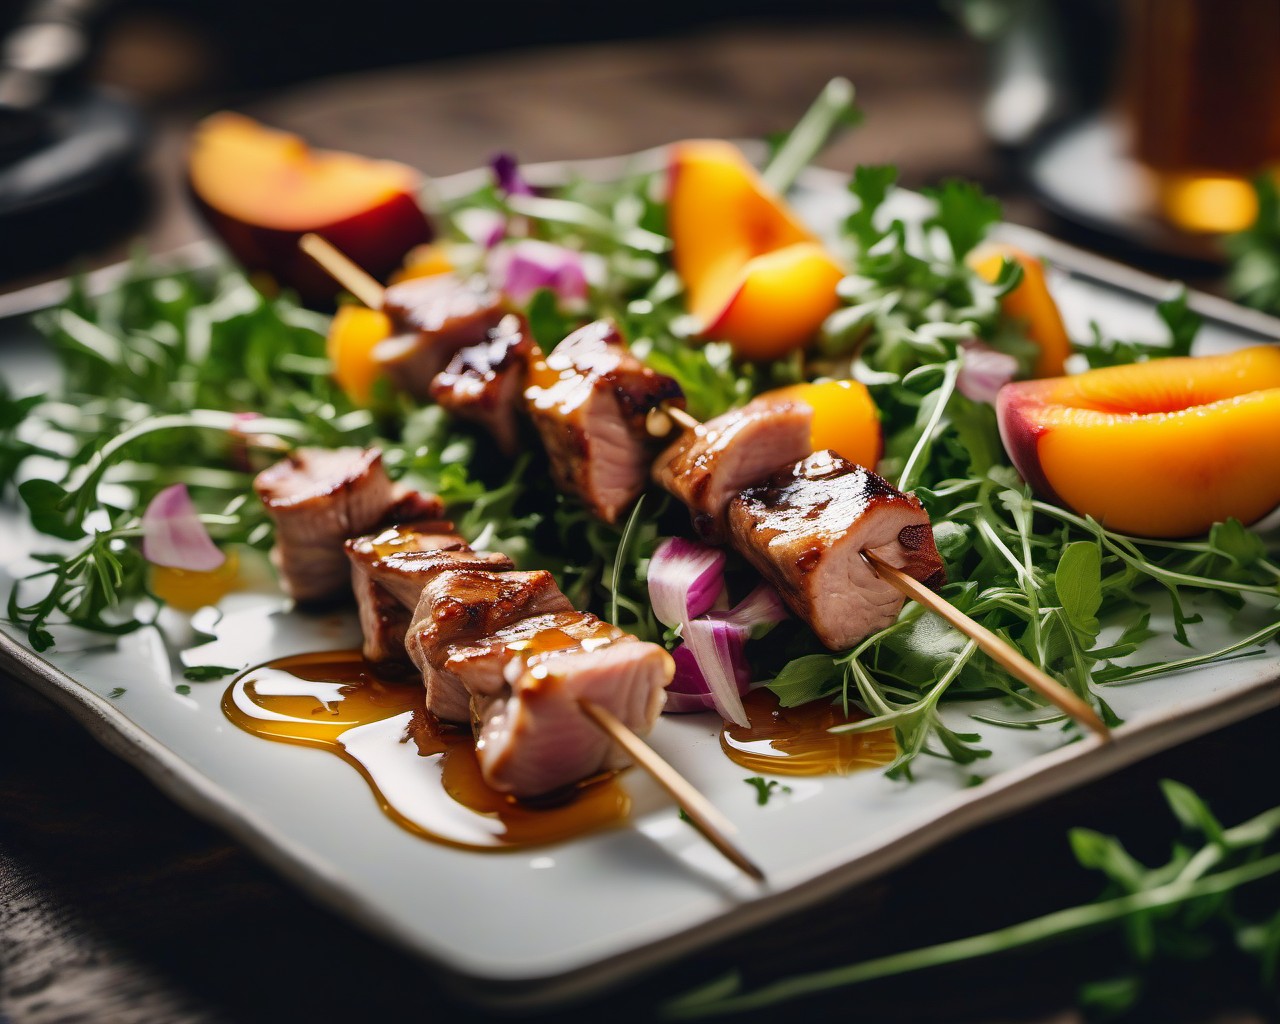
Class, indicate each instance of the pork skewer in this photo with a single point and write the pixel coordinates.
(488, 639)
(796, 525)
(713, 492)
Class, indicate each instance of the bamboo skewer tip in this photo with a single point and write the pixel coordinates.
(700, 811)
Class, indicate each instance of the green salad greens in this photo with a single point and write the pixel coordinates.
(196, 377)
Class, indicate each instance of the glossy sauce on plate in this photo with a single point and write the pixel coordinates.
(795, 741)
(424, 774)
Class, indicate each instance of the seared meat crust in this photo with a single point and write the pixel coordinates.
(805, 529)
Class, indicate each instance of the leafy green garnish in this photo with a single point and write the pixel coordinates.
(765, 788)
(1254, 278)
(1184, 909)
(204, 673)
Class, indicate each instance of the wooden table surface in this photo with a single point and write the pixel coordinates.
(115, 905)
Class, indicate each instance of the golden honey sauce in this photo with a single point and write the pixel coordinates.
(424, 775)
(795, 741)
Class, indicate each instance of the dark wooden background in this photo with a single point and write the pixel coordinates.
(117, 906)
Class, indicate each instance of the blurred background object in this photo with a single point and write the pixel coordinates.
(1133, 128)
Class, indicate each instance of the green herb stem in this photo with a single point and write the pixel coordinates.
(1028, 933)
(833, 107)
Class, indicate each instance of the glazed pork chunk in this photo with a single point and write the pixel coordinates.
(461, 606)
(533, 737)
(505, 652)
(805, 529)
(435, 317)
(710, 464)
(377, 559)
(318, 498)
(589, 399)
(483, 383)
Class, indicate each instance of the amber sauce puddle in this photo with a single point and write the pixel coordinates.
(424, 775)
(795, 741)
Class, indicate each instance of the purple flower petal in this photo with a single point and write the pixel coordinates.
(984, 371)
(172, 534)
(524, 267)
(506, 174)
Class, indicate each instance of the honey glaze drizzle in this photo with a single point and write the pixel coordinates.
(795, 741)
(423, 773)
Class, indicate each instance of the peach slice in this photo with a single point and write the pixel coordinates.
(262, 189)
(755, 275)
(1158, 449)
(1032, 303)
(845, 419)
(353, 335)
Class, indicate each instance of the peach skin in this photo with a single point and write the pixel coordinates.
(1158, 449)
(1031, 303)
(262, 189)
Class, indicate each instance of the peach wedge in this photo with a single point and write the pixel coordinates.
(1158, 449)
(262, 189)
(755, 276)
(845, 418)
(1031, 303)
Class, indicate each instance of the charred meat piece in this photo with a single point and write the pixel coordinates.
(483, 382)
(465, 604)
(384, 618)
(317, 499)
(710, 464)
(805, 529)
(589, 399)
(435, 316)
(480, 664)
(534, 738)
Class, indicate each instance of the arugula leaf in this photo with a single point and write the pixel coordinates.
(964, 213)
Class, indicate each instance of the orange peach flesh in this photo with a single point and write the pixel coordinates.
(353, 335)
(845, 418)
(274, 180)
(777, 302)
(1159, 449)
(1032, 304)
(755, 275)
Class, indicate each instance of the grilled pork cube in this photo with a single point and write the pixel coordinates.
(384, 618)
(483, 383)
(317, 499)
(410, 506)
(534, 738)
(479, 665)
(805, 529)
(710, 464)
(435, 316)
(589, 399)
(464, 604)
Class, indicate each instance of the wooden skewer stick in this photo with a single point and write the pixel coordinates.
(1011, 660)
(709, 821)
(353, 277)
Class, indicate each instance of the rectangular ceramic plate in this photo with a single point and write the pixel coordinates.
(536, 926)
